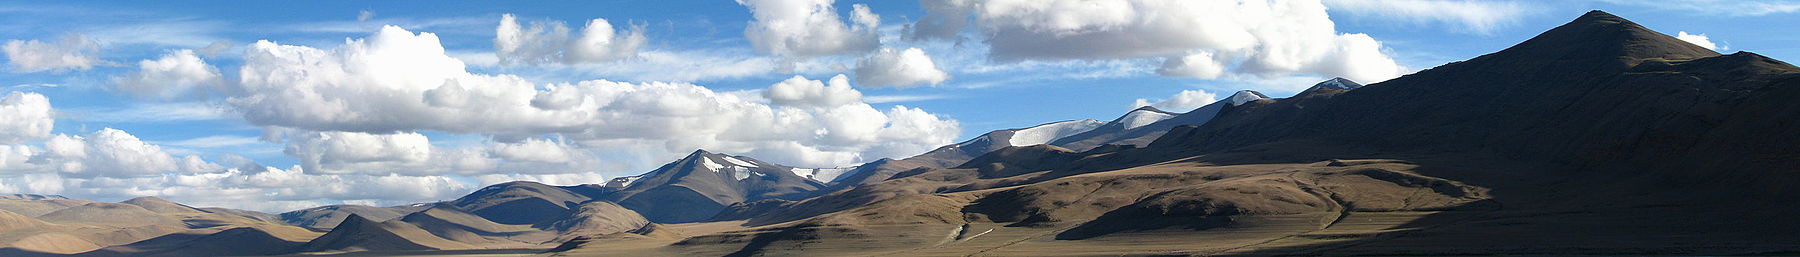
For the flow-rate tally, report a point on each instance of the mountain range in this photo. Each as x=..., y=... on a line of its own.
x=1597, y=137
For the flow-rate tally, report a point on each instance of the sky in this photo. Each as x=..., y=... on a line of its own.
x=273, y=107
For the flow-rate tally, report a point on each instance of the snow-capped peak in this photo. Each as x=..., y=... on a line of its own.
x=1337, y=83
x=1244, y=96
x=1144, y=116
x=1047, y=132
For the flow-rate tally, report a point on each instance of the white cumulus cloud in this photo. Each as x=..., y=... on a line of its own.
x=114, y=164
x=1184, y=101
x=397, y=81
x=898, y=68
x=75, y=52
x=109, y=153
x=176, y=74
x=1699, y=39
x=799, y=91
x=806, y=28
x=25, y=116
x=550, y=42
x=338, y=152
x=1200, y=65
x=1268, y=38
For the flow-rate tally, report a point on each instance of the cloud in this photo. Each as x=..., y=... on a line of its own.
x=15, y=159
x=215, y=48
x=114, y=164
x=1200, y=65
x=25, y=116
x=74, y=52
x=155, y=112
x=808, y=123
x=215, y=141
x=534, y=150
x=160, y=33
x=1255, y=37
x=109, y=153
x=1699, y=40
x=176, y=74
x=568, y=179
x=549, y=42
x=808, y=28
x=880, y=99
x=688, y=65
x=266, y=189
x=799, y=91
x=397, y=81
x=1476, y=16
x=344, y=152
x=1184, y=101
x=377, y=85
x=413, y=154
x=943, y=19
x=365, y=15
x=903, y=68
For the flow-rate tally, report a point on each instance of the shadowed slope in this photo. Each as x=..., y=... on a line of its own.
x=356, y=233
x=326, y=217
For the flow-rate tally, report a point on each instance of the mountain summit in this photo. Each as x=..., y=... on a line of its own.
x=1601, y=35
x=699, y=185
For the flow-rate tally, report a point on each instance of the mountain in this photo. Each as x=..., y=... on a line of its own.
x=326, y=217
x=115, y=214
x=1336, y=83
x=144, y=226
x=160, y=205
x=1602, y=120
x=36, y=205
x=356, y=233
x=599, y=218
x=247, y=214
x=451, y=223
x=1597, y=137
x=241, y=241
x=523, y=202
x=1140, y=126
x=699, y=185
x=13, y=221
x=956, y=154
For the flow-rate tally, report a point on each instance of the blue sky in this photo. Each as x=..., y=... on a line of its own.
x=1015, y=64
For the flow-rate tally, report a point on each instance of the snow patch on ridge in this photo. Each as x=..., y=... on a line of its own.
x=1140, y=117
x=708, y=163
x=739, y=173
x=1042, y=134
x=739, y=162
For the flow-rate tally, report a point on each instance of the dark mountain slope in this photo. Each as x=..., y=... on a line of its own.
x=1599, y=93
